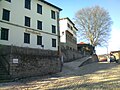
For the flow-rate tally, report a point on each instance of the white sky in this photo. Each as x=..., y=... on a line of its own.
x=114, y=43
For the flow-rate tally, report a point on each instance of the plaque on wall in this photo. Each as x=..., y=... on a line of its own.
x=15, y=60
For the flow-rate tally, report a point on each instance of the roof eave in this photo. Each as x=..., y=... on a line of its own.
x=70, y=22
x=50, y=4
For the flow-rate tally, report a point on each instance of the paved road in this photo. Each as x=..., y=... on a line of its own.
x=95, y=76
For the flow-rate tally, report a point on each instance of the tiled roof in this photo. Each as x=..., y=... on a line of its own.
x=81, y=43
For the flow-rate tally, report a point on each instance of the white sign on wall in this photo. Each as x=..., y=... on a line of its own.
x=15, y=60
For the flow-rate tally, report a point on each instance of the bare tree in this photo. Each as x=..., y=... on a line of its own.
x=94, y=24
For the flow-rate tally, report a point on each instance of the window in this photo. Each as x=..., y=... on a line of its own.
x=8, y=0
x=6, y=15
x=53, y=14
x=28, y=4
x=53, y=29
x=68, y=25
x=39, y=24
x=71, y=28
x=4, y=34
x=27, y=21
x=39, y=40
x=39, y=9
x=26, y=38
x=53, y=42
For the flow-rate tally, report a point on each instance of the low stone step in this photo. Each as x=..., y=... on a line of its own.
x=3, y=71
x=5, y=78
x=1, y=66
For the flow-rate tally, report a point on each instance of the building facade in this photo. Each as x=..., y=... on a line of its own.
x=85, y=49
x=29, y=38
x=68, y=37
x=116, y=54
x=29, y=23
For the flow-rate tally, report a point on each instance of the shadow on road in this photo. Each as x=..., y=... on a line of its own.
x=104, y=85
x=94, y=75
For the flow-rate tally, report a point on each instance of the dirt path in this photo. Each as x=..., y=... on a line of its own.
x=95, y=76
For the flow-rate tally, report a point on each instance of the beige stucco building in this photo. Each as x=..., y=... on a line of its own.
x=68, y=37
x=116, y=54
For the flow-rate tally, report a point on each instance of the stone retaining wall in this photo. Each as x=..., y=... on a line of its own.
x=25, y=62
x=70, y=55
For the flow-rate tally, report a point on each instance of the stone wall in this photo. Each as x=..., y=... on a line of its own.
x=70, y=55
x=25, y=62
x=91, y=59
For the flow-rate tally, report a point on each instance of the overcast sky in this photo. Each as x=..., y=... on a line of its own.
x=70, y=7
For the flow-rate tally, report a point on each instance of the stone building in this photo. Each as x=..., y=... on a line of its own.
x=68, y=37
x=85, y=49
x=30, y=31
